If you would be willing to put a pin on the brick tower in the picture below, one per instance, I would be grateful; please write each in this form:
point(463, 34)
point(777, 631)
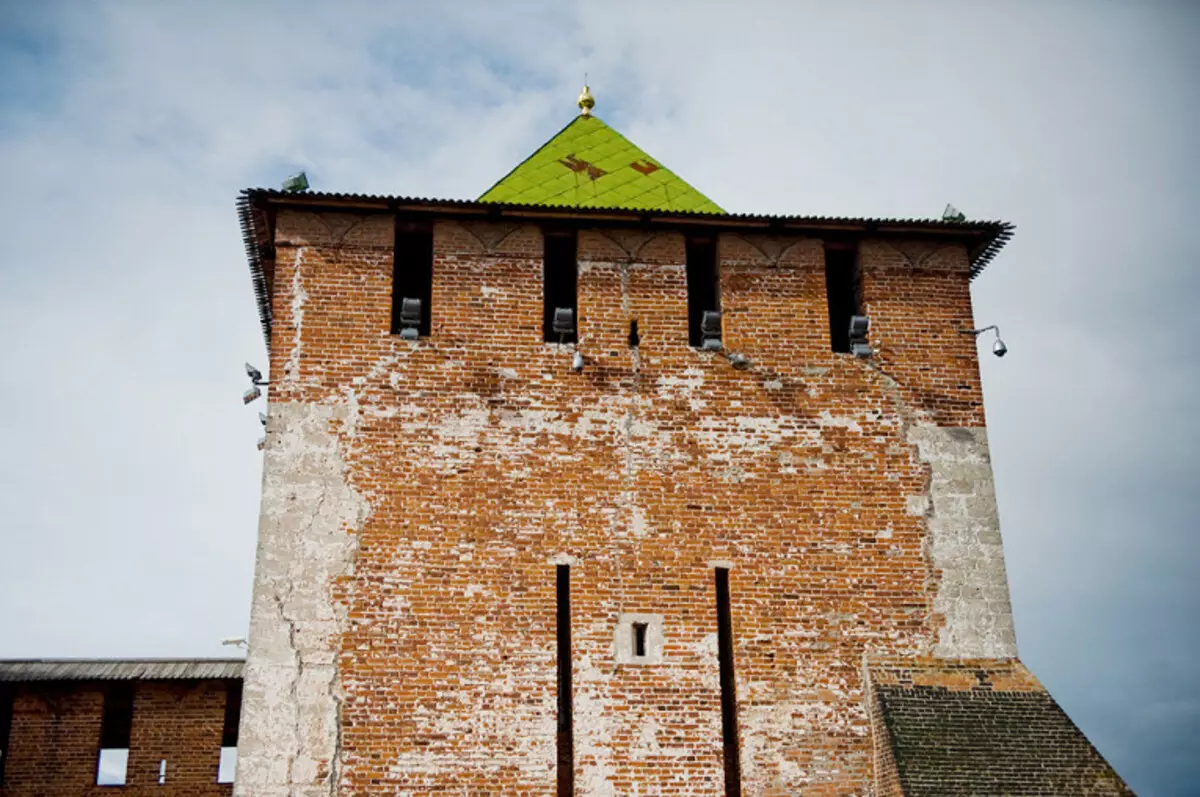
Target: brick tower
point(588, 487)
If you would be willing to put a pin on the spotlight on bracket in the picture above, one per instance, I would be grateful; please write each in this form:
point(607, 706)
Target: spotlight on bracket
point(256, 381)
point(710, 330)
point(998, 348)
point(410, 318)
point(859, 325)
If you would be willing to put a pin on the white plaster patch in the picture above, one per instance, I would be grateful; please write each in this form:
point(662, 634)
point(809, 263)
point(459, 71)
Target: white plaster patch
point(291, 368)
point(964, 545)
point(826, 418)
point(307, 538)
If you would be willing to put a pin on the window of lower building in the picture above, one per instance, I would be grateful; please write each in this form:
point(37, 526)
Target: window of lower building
point(116, 727)
point(228, 765)
point(6, 713)
point(229, 733)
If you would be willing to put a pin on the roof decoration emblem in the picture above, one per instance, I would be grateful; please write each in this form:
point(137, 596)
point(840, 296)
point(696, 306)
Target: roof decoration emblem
point(586, 101)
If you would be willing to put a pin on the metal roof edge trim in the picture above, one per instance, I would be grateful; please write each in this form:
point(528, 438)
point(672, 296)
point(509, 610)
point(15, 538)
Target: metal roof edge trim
point(245, 210)
point(28, 670)
point(394, 202)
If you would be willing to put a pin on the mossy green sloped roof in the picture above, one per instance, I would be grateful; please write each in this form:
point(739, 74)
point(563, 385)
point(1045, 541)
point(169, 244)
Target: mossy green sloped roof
point(590, 165)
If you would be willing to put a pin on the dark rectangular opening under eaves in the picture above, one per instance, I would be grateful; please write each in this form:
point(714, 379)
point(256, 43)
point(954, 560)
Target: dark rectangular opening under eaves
point(842, 293)
point(412, 273)
point(559, 284)
point(703, 285)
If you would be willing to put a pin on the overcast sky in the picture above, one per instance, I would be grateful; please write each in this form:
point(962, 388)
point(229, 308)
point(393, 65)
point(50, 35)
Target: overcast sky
point(129, 479)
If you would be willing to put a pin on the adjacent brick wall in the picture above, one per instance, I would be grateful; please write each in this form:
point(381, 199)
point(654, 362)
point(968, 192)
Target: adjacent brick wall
point(417, 496)
point(56, 732)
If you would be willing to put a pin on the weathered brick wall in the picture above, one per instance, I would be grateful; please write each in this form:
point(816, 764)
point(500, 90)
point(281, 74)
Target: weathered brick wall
point(417, 497)
point(54, 742)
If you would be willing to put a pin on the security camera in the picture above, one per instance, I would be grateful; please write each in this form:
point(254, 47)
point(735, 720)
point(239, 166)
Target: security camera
point(738, 361)
point(577, 362)
point(254, 374)
point(998, 348)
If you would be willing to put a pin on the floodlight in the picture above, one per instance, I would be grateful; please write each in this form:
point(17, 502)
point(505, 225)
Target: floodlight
point(710, 330)
point(952, 213)
point(410, 312)
point(251, 394)
point(859, 325)
point(564, 321)
point(296, 183)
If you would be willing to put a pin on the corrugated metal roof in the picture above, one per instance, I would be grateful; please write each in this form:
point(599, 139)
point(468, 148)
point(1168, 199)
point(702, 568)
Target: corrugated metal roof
point(118, 669)
point(985, 238)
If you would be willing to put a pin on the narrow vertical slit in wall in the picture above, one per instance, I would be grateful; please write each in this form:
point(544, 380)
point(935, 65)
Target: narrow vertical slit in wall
point(559, 285)
point(634, 338)
point(639, 639)
point(229, 732)
point(412, 278)
point(116, 728)
point(703, 285)
point(842, 292)
point(7, 698)
point(566, 724)
point(729, 727)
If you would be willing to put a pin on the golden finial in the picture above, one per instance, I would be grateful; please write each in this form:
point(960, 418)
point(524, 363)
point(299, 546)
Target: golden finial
point(586, 100)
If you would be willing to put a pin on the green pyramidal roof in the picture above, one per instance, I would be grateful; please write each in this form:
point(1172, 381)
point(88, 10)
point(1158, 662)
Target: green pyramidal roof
point(590, 165)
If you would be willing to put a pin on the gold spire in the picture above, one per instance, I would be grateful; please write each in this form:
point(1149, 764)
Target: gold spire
point(586, 101)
